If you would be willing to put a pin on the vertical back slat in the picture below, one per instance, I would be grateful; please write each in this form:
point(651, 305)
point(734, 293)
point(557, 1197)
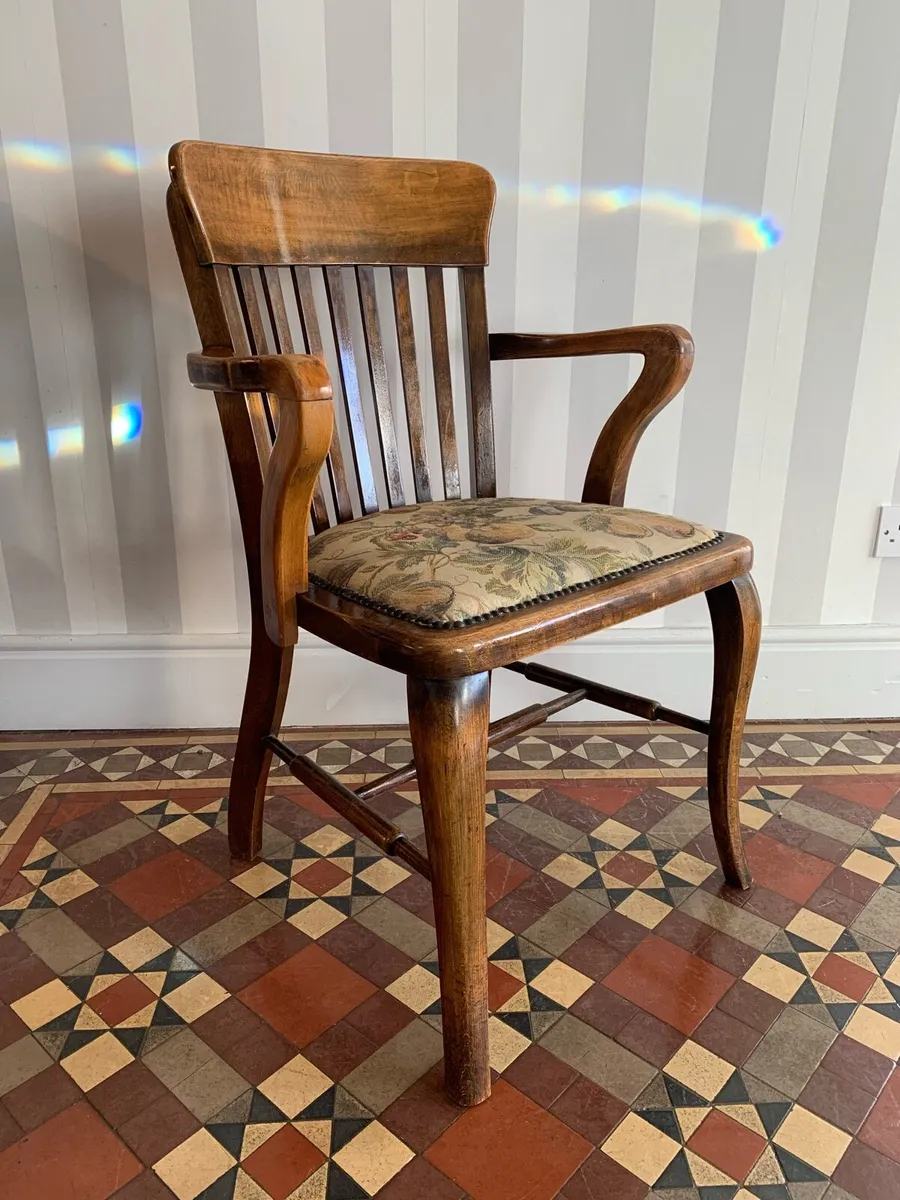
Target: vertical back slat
point(384, 413)
point(256, 409)
point(340, 323)
point(309, 322)
point(443, 387)
point(256, 333)
point(409, 374)
point(284, 344)
point(476, 357)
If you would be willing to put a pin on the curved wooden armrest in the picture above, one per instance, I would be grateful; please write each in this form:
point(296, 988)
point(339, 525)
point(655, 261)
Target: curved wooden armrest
point(305, 424)
point(668, 352)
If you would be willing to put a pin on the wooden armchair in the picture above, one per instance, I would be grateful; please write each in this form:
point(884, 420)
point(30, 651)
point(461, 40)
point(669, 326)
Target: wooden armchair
point(444, 590)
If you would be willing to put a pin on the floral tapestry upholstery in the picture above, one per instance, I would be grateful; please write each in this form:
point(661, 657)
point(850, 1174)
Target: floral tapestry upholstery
point(454, 562)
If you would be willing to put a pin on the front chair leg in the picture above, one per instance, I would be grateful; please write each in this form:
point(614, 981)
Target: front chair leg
point(449, 728)
point(264, 698)
point(736, 622)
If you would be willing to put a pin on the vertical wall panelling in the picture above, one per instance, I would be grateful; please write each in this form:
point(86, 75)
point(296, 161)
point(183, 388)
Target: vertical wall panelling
point(887, 595)
point(684, 48)
point(554, 49)
point(802, 226)
point(98, 108)
point(757, 393)
point(873, 434)
point(618, 80)
point(867, 101)
point(292, 73)
point(32, 112)
point(358, 40)
point(490, 71)
point(197, 465)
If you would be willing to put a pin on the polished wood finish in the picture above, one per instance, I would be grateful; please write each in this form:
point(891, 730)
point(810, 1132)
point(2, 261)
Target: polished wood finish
point(601, 693)
point(668, 352)
point(448, 724)
point(349, 804)
point(283, 252)
point(736, 621)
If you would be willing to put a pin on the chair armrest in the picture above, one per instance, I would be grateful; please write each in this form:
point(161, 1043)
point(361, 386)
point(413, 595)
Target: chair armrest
point(305, 424)
point(668, 352)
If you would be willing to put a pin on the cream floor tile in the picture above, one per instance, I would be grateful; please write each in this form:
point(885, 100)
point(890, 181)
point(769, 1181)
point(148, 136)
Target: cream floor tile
point(45, 1003)
point(198, 996)
point(317, 920)
point(868, 866)
point(191, 1167)
point(373, 1157)
point(699, 1069)
point(811, 1139)
point(816, 929)
point(96, 1061)
point(258, 879)
point(774, 977)
point(641, 1148)
point(562, 983)
point(876, 1031)
point(140, 948)
point(689, 868)
point(646, 910)
point(418, 988)
point(326, 840)
point(568, 870)
point(383, 875)
point(505, 1044)
point(294, 1086)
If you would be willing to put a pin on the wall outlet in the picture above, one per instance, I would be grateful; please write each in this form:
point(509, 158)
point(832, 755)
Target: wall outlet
point(887, 538)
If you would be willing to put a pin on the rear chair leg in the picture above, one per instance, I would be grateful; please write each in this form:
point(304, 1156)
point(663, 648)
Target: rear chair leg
point(266, 692)
point(449, 728)
point(736, 622)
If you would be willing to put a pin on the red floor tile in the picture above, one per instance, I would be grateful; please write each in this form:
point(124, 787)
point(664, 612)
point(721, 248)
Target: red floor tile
point(164, 884)
point(728, 1145)
point(630, 870)
point(306, 995)
point(873, 793)
point(666, 981)
point(509, 1149)
point(845, 977)
point(321, 877)
point(601, 1178)
point(501, 986)
point(73, 1146)
point(503, 874)
point(283, 1162)
point(787, 871)
point(122, 1000)
point(604, 797)
point(882, 1129)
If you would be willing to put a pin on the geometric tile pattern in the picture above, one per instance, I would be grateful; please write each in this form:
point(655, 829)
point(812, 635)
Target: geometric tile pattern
point(175, 1023)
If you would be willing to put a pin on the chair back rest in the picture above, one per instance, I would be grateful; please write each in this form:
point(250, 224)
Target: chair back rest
point(335, 255)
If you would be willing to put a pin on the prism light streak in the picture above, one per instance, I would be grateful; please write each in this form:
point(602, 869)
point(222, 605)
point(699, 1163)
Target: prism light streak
point(753, 232)
point(38, 156)
point(9, 453)
point(125, 423)
point(65, 440)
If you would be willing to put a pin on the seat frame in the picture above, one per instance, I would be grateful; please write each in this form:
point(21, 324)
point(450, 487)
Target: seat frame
point(236, 208)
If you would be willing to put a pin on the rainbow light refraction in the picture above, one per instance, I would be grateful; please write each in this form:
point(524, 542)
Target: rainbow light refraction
point(64, 440)
point(39, 156)
point(9, 453)
point(125, 423)
point(751, 231)
point(121, 159)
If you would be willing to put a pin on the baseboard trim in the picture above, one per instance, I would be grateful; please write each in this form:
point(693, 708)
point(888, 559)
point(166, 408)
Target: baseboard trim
point(189, 681)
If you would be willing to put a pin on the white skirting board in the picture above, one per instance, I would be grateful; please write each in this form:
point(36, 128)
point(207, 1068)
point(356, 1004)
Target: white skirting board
point(188, 681)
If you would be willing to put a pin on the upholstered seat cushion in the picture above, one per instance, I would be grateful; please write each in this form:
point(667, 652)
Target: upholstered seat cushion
point(455, 562)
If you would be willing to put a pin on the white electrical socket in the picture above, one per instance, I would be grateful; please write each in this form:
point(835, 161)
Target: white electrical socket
point(887, 537)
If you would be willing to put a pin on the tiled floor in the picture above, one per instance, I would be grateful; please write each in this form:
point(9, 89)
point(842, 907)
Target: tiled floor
point(175, 1023)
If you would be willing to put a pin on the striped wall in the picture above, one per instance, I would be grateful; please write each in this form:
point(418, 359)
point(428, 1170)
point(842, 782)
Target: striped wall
point(789, 429)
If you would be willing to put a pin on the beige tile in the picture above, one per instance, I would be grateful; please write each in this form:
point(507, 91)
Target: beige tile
point(705, 1174)
point(373, 1157)
point(892, 974)
point(687, 867)
point(383, 875)
point(497, 936)
point(868, 866)
point(699, 1069)
point(568, 870)
point(327, 839)
point(68, 887)
point(876, 1031)
point(887, 825)
point(816, 929)
point(45, 1003)
point(96, 1061)
point(417, 988)
point(752, 817)
point(140, 948)
point(256, 1135)
point(191, 1167)
point(615, 833)
point(646, 910)
point(317, 919)
point(562, 983)
point(774, 977)
point(246, 1188)
point(258, 879)
point(690, 1119)
point(295, 1085)
point(505, 1044)
point(183, 830)
point(196, 997)
point(811, 1139)
point(641, 1148)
